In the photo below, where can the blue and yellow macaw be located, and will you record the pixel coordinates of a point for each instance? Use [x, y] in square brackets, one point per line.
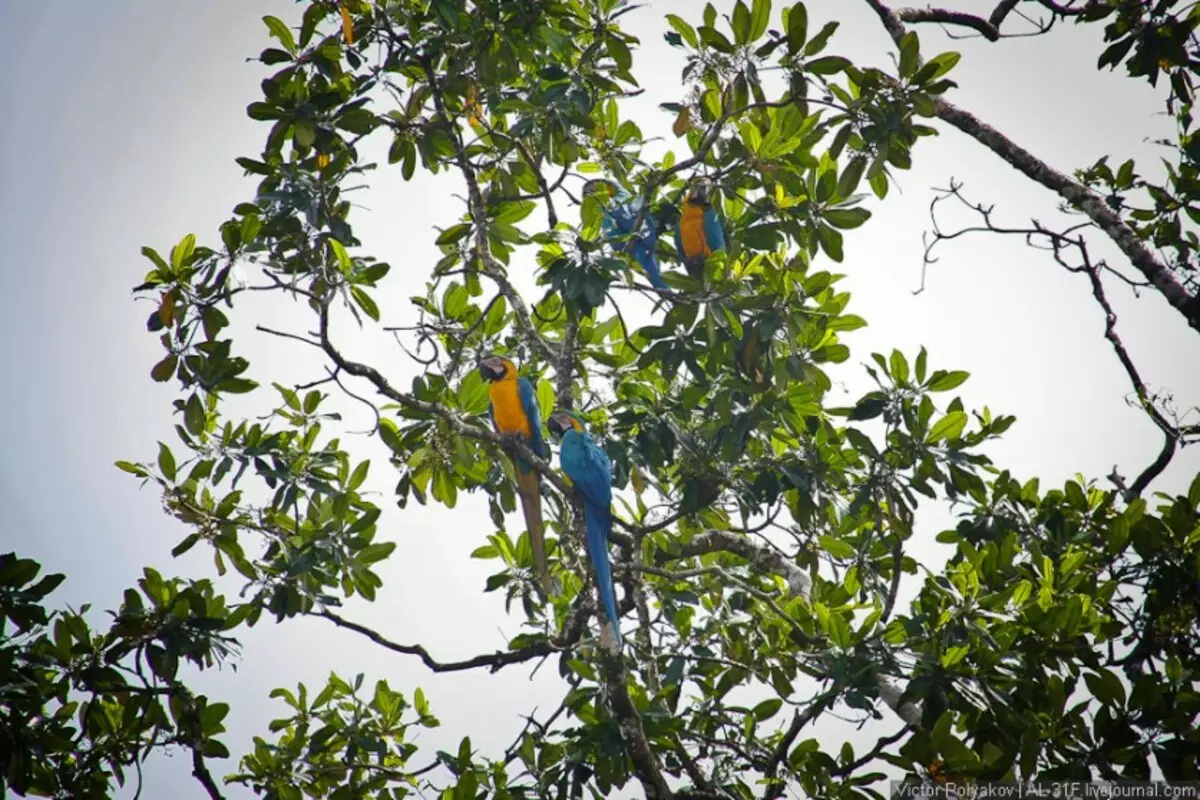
[514, 412]
[699, 233]
[616, 226]
[589, 469]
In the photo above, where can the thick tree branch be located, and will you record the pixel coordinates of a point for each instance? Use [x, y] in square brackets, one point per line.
[200, 772]
[1077, 195]
[645, 761]
[962, 19]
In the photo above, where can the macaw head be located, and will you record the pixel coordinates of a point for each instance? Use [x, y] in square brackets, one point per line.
[700, 192]
[562, 421]
[602, 189]
[497, 368]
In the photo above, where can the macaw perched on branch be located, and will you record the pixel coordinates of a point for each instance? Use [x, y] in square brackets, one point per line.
[589, 469]
[620, 212]
[699, 233]
[514, 413]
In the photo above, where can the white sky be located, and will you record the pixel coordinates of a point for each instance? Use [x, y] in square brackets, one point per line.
[120, 122]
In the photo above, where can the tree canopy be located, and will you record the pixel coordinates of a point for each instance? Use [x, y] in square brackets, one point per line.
[761, 531]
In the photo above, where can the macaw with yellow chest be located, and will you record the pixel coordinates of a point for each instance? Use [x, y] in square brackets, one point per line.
[620, 212]
[514, 413]
[699, 233]
[590, 470]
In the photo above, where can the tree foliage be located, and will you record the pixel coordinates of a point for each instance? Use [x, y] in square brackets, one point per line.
[762, 532]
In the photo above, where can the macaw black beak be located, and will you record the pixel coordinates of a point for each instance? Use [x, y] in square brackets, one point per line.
[558, 424]
[491, 369]
[702, 193]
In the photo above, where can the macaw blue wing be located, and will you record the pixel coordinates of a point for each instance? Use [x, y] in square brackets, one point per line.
[714, 234]
[534, 414]
[590, 470]
[625, 213]
[617, 225]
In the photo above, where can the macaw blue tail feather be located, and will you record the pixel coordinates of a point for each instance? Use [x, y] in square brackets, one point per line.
[598, 522]
[644, 253]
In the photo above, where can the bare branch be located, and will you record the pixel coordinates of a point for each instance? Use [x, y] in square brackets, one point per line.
[200, 772]
[493, 662]
[1058, 244]
[1069, 9]
[1075, 193]
[946, 17]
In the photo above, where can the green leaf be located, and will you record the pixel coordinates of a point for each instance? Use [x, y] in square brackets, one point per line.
[741, 23]
[846, 218]
[187, 544]
[453, 234]
[827, 65]
[851, 176]
[898, 365]
[836, 547]
[194, 418]
[182, 253]
[847, 322]
[163, 370]
[1021, 593]
[953, 655]
[797, 27]
[948, 427]
[942, 381]
[166, 462]
[343, 258]
[1106, 687]
[818, 42]
[373, 553]
[936, 67]
[365, 302]
[910, 54]
[767, 709]
[282, 32]
[131, 468]
[545, 398]
[830, 241]
[686, 31]
[760, 18]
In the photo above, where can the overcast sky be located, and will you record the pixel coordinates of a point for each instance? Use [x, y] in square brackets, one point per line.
[120, 122]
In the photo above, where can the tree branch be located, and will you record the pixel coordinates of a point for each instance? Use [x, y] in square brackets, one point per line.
[1077, 195]
[494, 662]
[985, 27]
[1058, 242]
[200, 772]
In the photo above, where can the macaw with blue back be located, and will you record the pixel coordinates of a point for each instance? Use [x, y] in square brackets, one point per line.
[514, 413]
[589, 469]
[699, 233]
[620, 212]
